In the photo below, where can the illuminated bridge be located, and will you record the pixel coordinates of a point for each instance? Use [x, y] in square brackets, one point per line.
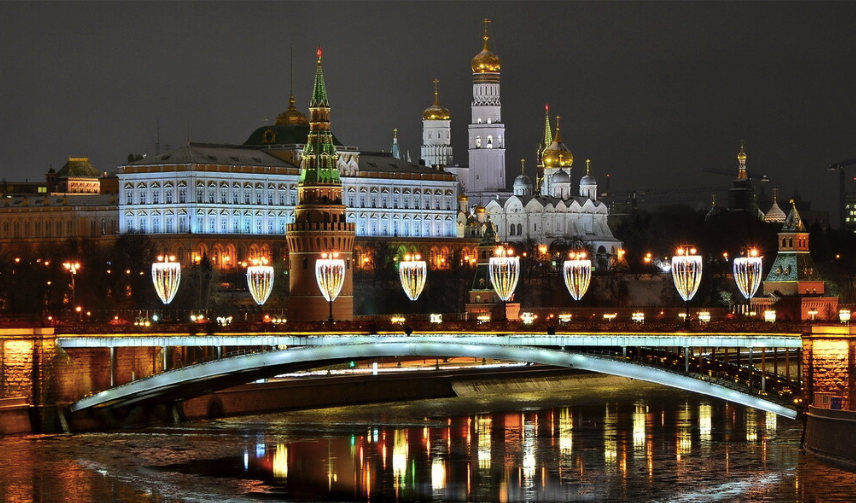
[734, 367]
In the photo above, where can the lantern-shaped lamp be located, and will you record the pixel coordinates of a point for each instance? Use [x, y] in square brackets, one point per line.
[166, 276]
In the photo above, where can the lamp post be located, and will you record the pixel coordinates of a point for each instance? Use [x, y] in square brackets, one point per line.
[72, 267]
[504, 271]
[166, 276]
[411, 272]
[260, 280]
[747, 273]
[330, 276]
[686, 274]
[577, 274]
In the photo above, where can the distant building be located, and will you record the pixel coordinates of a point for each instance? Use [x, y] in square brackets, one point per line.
[741, 196]
[793, 287]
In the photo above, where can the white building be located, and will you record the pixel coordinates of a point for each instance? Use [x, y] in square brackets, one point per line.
[546, 212]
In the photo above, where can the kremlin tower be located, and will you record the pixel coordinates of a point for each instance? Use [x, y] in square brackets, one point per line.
[486, 130]
[319, 219]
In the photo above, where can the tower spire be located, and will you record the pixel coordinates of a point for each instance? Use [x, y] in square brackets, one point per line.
[291, 115]
[319, 162]
[548, 133]
[436, 92]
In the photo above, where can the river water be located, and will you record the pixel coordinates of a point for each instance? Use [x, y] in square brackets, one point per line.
[635, 442]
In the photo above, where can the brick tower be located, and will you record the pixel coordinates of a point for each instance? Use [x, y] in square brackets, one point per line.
[319, 219]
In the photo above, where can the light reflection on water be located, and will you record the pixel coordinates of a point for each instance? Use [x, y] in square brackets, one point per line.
[644, 444]
[666, 446]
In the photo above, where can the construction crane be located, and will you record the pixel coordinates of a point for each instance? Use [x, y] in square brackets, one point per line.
[842, 210]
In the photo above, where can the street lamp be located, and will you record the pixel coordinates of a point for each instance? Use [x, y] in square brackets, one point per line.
[330, 275]
[260, 280]
[577, 274]
[72, 267]
[504, 270]
[747, 273]
[166, 276]
[411, 272]
[686, 273]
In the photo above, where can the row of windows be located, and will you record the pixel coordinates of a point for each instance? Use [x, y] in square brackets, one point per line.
[237, 224]
[249, 195]
[26, 229]
[212, 194]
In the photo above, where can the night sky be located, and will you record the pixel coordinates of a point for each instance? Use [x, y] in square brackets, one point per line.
[653, 92]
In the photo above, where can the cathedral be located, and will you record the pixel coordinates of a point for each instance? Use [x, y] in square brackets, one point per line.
[547, 211]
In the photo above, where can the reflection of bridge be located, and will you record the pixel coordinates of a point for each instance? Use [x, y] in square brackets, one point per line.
[706, 363]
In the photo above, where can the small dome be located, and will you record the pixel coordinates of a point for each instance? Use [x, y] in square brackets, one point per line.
[479, 209]
[775, 215]
[560, 177]
[292, 115]
[741, 156]
[522, 181]
[587, 181]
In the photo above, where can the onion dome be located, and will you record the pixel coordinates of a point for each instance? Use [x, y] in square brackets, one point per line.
[741, 156]
[557, 155]
[560, 177]
[435, 111]
[486, 61]
[522, 184]
[588, 179]
[479, 209]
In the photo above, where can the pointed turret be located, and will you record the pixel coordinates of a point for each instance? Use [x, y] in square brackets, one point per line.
[319, 162]
[548, 133]
[395, 151]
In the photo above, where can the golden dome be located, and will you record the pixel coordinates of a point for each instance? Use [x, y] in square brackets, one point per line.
[486, 61]
[435, 111]
[292, 115]
[557, 155]
[742, 155]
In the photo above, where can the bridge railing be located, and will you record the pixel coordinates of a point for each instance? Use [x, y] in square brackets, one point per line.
[417, 326]
[737, 377]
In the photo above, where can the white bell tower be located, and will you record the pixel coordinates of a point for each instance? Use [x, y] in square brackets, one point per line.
[486, 130]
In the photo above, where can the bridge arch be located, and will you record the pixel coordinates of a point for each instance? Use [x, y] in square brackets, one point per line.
[188, 382]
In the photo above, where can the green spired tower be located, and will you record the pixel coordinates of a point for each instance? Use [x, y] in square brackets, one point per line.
[319, 229]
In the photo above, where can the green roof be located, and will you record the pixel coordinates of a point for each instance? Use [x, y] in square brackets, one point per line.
[78, 167]
[281, 134]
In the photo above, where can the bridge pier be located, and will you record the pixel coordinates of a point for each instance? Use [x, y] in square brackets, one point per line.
[829, 357]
